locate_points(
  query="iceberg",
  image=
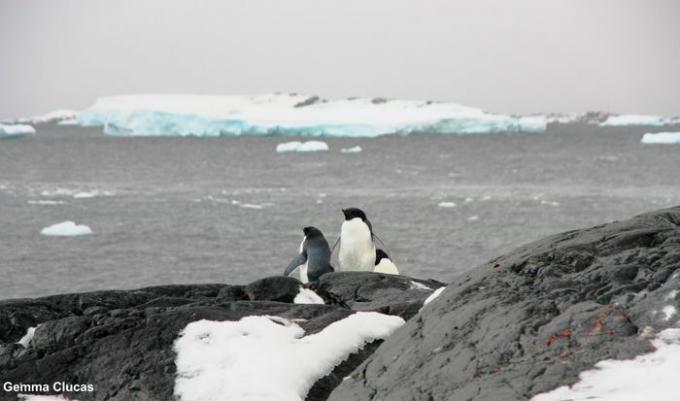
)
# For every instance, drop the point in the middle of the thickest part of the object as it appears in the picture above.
(639, 120)
(661, 138)
(15, 130)
(66, 229)
(53, 116)
(292, 114)
(296, 146)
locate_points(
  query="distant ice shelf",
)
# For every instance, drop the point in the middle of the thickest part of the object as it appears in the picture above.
(639, 120)
(292, 114)
(672, 138)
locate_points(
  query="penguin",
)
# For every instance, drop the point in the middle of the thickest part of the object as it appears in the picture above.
(357, 250)
(383, 264)
(314, 258)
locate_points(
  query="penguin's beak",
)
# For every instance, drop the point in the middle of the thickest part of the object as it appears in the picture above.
(344, 212)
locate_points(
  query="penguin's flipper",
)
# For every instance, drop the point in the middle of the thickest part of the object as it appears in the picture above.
(298, 261)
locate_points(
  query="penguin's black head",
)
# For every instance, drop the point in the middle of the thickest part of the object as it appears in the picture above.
(380, 255)
(311, 231)
(352, 212)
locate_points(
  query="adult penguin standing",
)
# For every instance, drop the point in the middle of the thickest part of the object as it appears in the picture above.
(314, 258)
(357, 250)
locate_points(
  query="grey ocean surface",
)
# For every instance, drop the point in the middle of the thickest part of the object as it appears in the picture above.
(231, 209)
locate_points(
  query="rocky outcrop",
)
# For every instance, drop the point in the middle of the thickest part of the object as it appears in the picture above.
(531, 320)
(122, 341)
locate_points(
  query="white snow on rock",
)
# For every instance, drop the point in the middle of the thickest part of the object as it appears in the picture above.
(672, 138)
(414, 285)
(297, 146)
(353, 149)
(66, 229)
(33, 397)
(16, 130)
(26, 339)
(307, 296)
(623, 120)
(434, 295)
(292, 114)
(650, 376)
(265, 358)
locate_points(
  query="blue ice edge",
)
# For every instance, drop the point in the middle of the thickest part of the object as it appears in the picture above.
(158, 123)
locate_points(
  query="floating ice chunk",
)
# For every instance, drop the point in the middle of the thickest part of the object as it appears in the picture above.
(661, 138)
(638, 120)
(16, 130)
(296, 146)
(307, 296)
(446, 204)
(434, 295)
(66, 229)
(251, 359)
(550, 203)
(650, 376)
(26, 339)
(46, 202)
(473, 218)
(280, 114)
(353, 149)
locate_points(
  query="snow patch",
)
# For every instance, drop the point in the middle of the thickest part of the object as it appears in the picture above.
(651, 376)
(434, 295)
(263, 358)
(669, 311)
(66, 229)
(296, 146)
(307, 296)
(25, 341)
(672, 138)
(414, 285)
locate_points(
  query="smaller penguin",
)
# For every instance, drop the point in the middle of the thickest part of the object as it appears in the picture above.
(314, 258)
(383, 264)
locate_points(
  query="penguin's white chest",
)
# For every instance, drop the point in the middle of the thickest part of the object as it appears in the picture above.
(386, 266)
(303, 274)
(357, 251)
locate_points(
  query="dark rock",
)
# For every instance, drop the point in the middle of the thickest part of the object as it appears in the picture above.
(532, 320)
(122, 341)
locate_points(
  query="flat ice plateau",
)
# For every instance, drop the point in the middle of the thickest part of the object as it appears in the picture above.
(292, 114)
(264, 358)
(661, 138)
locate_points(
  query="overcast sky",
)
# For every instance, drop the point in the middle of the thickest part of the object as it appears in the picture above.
(515, 56)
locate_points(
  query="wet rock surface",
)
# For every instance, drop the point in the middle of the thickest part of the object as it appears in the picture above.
(121, 341)
(531, 320)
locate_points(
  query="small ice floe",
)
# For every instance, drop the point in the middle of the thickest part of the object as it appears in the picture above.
(469, 199)
(297, 146)
(74, 193)
(307, 296)
(651, 376)
(46, 202)
(446, 204)
(486, 197)
(414, 285)
(16, 130)
(353, 149)
(25, 341)
(251, 206)
(670, 138)
(262, 358)
(66, 229)
(434, 295)
(549, 203)
(473, 218)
